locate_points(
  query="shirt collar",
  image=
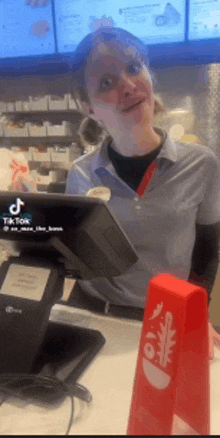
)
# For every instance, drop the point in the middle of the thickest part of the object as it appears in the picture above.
(168, 150)
(168, 153)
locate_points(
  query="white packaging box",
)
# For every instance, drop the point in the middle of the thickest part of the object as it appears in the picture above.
(29, 153)
(72, 105)
(16, 149)
(16, 132)
(2, 129)
(46, 179)
(10, 106)
(26, 105)
(62, 155)
(26, 154)
(42, 156)
(37, 131)
(57, 103)
(3, 106)
(57, 130)
(18, 105)
(80, 108)
(34, 174)
(39, 103)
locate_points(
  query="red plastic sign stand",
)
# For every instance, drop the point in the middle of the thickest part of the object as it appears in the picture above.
(172, 373)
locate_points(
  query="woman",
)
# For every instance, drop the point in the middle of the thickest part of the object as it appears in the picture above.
(165, 194)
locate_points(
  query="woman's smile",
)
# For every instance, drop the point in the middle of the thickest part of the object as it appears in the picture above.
(133, 107)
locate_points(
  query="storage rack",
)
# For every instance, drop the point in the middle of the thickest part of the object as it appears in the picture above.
(53, 152)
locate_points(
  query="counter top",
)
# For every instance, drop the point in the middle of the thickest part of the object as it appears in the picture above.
(109, 378)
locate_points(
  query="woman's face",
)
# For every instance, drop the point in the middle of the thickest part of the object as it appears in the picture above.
(120, 90)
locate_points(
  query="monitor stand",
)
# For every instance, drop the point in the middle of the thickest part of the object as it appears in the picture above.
(30, 341)
(67, 350)
(27, 339)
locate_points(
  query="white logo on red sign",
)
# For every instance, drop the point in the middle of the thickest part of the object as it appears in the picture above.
(158, 348)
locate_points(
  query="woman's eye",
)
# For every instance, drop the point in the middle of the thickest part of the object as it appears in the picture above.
(105, 83)
(133, 68)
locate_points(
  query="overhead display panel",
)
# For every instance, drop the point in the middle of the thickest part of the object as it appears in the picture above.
(1, 29)
(154, 22)
(204, 19)
(26, 28)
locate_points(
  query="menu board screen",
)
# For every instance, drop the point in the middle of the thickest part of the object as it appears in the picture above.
(26, 28)
(154, 22)
(204, 19)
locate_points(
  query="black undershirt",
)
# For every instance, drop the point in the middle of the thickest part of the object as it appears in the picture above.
(205, 257)
(131, 169)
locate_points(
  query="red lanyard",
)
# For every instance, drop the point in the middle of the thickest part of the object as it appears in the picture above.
(146, 179)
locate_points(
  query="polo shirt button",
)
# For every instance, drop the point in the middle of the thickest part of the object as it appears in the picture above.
(136, 198)
(138, 207)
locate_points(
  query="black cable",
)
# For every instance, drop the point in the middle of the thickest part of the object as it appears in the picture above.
(71, 415)
(14, 384)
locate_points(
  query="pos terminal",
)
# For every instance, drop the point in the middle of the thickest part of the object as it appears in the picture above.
(50, 237)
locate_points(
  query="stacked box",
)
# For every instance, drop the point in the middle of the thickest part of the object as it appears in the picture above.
(62, 155)
(60, 130)
(2, 129)
(16, 149)
(10, 106)
(72, 105)
(46, 179)
(37, 131)
(18, 105)
(33, 174)
(58, 103)
(11, 131)
(80, 108)
(26, 105)
(3, 106)
(39, 103)
(29, 153)
(42, 156)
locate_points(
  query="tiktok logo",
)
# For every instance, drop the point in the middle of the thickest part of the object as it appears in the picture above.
(16, 208)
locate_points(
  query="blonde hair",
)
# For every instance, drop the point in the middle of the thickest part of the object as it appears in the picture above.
(90, 131)
(159, 107)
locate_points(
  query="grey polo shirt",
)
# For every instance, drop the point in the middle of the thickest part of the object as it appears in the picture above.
(184, 190)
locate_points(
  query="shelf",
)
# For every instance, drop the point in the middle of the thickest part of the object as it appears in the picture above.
(32, 141)
(41, 113)
(75, 117)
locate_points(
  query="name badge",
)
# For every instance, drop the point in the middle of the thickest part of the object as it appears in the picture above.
(103, 193)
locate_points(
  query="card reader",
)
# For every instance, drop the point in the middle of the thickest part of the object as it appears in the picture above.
(29, 289)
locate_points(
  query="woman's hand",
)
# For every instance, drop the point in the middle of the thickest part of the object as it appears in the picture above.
(214, 340)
